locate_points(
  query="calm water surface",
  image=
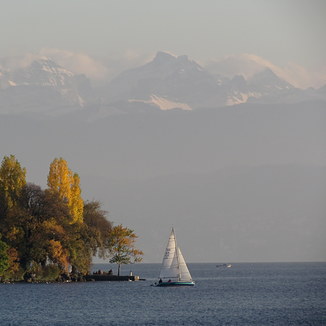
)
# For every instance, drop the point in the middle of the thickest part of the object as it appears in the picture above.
(245, 294)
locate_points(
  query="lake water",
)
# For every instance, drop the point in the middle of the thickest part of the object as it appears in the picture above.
(245, 294)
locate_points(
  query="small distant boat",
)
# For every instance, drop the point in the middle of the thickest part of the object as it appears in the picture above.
(224, 265)
(174, 270)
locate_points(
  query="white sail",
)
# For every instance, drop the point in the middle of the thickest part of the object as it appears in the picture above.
(166, 271)
(174, 267)
(184, 274)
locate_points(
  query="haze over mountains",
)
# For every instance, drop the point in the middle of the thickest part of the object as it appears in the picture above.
(167, 82)
(238, 158)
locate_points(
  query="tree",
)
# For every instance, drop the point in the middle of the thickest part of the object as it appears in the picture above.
(4, 258)
(14, 271)
(59, 178)
(122, 247)
(80, 251)
(32, 199)
(76, 203)
(12, 181)
(58, 254)
(47, 232)
(99, 228)
(37, 227)
(62, 181)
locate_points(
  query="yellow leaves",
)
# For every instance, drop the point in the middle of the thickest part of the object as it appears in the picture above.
(62, 181)
(12, 180)
(53, 227)
(137, 254)
(59, 178)
(13, 260)
(122, 246)
(14, 233)
(76, 202)
(58, 254)
(9, 260)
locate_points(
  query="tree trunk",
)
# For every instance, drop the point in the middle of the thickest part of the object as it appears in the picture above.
(119, 266)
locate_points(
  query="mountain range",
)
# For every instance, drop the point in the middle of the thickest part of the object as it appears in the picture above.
(167, 82)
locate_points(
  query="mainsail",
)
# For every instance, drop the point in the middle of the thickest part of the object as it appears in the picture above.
(174, 267)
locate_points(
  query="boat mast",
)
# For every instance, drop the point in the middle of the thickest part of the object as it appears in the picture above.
(177, 255)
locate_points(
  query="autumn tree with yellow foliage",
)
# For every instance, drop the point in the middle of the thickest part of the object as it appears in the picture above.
(46, 234)
(66, 184)
(123, 249)
(12, 181)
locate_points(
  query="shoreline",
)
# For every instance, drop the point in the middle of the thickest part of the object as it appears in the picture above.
(85, 278)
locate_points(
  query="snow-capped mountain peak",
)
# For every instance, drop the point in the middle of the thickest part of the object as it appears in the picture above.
(176, 80)
(41, 85)
(42, 72)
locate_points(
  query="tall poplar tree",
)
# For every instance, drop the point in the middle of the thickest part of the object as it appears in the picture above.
(76, 202)
(59, 179)
(12, 181)
(62, 181)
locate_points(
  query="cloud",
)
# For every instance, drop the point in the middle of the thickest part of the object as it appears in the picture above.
(17, 62)
(303, 78)
(250, 64)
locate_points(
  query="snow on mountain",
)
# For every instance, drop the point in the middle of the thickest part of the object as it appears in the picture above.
(248, 65)
(179, 82)
(167, 82)
(163, 103)
(41, 86)
(43, 72)
(174, 79)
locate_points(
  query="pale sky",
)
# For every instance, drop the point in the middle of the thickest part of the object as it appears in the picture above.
(281, 31)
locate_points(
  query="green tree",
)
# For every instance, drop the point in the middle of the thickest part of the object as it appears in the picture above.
(123, 247)
(99, 228)
(90, 238)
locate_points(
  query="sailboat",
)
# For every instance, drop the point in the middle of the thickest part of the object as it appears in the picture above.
(174, 270)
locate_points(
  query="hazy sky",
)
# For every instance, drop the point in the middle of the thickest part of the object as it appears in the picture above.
(281, 31)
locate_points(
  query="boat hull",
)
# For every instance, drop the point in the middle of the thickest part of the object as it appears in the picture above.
(165, 284)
